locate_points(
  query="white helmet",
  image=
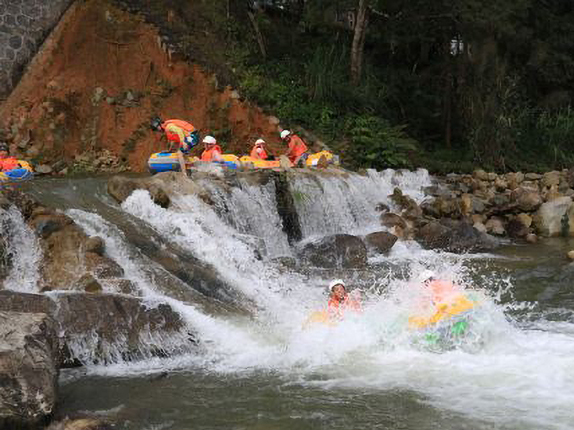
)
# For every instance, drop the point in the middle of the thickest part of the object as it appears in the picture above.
(425, 275)
(260, 142)
(336, 282)
(285, 133)
(210, 140)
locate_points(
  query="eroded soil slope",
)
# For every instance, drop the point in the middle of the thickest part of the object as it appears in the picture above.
(94, 85)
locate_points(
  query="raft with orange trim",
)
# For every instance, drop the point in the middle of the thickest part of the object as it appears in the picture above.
(22, 173)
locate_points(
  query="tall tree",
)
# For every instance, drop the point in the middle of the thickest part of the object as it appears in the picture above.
(358, 45)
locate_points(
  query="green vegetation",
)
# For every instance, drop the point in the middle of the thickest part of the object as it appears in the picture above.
(444, 85)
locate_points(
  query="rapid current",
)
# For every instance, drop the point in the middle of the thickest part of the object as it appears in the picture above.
(255, 367)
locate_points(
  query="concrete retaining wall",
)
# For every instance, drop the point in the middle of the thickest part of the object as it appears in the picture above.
(24, 24)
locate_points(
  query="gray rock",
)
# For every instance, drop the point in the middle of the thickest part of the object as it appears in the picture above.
(457, 236)
(96, 245)
(527, 200)
(380, 241)
(44, 169)
(28, 369)
(391, 220)
(532, 176)
(336, 251)
(495, 226)
(516, 228)
(89, 284)
(551, 178)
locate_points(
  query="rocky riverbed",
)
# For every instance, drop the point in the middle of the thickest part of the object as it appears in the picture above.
(58, 321)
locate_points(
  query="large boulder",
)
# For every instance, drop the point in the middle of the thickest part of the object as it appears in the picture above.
(28, 369)
(552, 219)
(130, 330)
(69, 255)
(380, 241)
(104, 328)
(336, 251)
(454, 236)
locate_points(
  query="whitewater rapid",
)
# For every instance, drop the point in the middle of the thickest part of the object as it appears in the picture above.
(510, 374)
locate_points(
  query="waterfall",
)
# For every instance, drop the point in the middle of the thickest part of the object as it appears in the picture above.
(348, 203)
(22, 252)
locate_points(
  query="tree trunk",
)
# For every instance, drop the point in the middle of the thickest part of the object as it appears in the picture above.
(358, 42)
(258, 34)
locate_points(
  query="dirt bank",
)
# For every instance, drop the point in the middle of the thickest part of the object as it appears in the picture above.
(94, 85)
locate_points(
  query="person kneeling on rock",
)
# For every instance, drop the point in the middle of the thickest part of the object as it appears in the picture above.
(7, 162)
(340, 301)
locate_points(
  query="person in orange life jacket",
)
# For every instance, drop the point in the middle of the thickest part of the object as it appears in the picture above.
(212, 152)
(442, 291)
(180, 133)
(259, 151)
(340, 301)
(7, 162)
(297, 148)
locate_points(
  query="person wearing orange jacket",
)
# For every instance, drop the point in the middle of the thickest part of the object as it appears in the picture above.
(340, 301)
(259, 151)
(297, 148)
(7, 162)
(441, 290)
(178, 132)
(212, 152)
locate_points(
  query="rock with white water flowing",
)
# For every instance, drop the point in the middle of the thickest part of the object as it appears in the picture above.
(131, 329)
(336, 251)
(551, 219)
(28, 369)
(104, 328)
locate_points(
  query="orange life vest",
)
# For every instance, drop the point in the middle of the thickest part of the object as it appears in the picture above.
(442, 290)
(336, 308)
(296, 147)
(8, 163)
(209, 153)
(259, 152)
(178, 131)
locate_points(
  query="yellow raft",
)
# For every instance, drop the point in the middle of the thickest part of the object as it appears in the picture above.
(443, 311)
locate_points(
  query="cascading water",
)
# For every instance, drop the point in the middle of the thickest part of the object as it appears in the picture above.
(347, 203)
(22, 252)
(508, 373)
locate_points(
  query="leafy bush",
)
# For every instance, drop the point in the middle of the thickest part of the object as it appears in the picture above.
(377, 144)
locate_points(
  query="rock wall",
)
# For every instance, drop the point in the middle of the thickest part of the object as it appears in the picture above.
(24, 24)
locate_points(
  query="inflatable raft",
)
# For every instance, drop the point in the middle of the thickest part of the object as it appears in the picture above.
(169, 162)
(23, 173)
(447, 325)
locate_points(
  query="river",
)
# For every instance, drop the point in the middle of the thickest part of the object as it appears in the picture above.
(257, 368)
